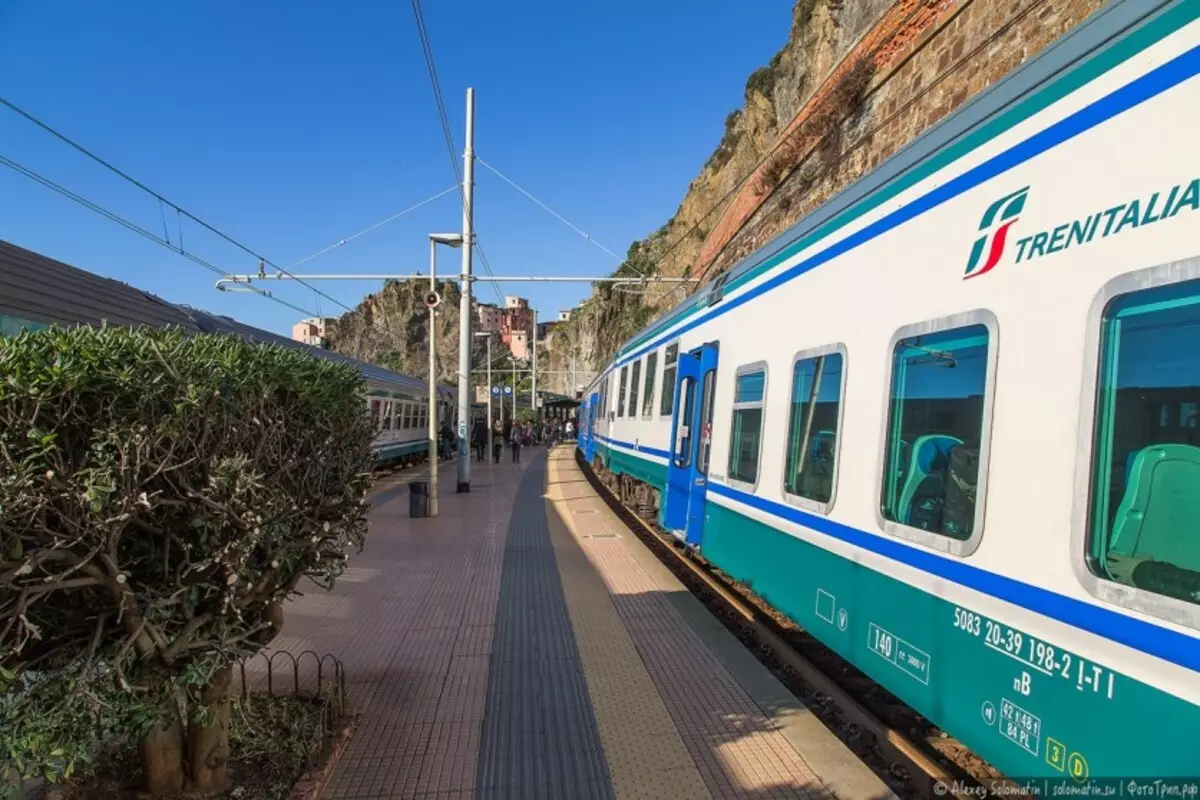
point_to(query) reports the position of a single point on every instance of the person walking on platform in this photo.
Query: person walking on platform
(515, 436)
(497, 440)
(479, 439)
(447, 442)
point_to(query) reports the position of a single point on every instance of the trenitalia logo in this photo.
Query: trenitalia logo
(1004, 214)
(1135, 213)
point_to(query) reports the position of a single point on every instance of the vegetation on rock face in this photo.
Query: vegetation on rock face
(391, 329)
(160, 496)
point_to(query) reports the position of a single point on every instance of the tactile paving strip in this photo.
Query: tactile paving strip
(646, 756)
(738, 750)
(539, 733)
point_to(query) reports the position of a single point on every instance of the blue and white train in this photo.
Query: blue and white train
(950, 421)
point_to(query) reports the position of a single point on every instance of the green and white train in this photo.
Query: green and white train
(37, 291)
(950, 422)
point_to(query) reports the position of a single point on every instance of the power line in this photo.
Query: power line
(367, 230)
(928, 87)
(773, 148)
(117, 218)
(447, 134)
(552, 212)
(178, 209)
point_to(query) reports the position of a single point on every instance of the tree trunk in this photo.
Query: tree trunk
(161, 754)
(208, 744)
(273, 615)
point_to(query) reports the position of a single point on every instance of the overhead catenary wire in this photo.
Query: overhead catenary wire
(180, 212)
(133, 226)
(741, 182)
(925, 89)
(158, 196)
(380, 224)
(447, 133)
(552, 212)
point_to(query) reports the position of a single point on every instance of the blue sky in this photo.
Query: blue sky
(289, 125)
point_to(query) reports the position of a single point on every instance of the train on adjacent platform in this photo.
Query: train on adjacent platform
(32, 296)
(949, 422)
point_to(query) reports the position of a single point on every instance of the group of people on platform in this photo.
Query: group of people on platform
(504, 432)
(518, 435)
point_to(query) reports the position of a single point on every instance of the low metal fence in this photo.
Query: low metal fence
(307, 675)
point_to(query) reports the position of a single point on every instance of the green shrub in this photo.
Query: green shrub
(160, 496)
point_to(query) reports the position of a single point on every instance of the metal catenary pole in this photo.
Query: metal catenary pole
(464, 309)
(433, 420)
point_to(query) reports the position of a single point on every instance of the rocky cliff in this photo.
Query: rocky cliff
(391, 329)
(855, 82)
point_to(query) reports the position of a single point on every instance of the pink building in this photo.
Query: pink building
(518, 343)
(310, 331)
(490, 317)
(518, 319)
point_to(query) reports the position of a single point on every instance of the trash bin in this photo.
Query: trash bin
(418, 499)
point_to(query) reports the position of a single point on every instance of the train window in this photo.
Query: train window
(810, 465)
(621, 392)
(387, 415)
(708, 398)
(651, 374)
(634, 378)
(939, 409)
(666, 406)
(745, 442)
(1145, 476)
(375, 409)
(683, 431)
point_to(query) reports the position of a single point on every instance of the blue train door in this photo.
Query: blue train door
(691, 441)
(593, 408)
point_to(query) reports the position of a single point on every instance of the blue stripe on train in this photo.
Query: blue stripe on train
(1153, 83)
(1163, 643)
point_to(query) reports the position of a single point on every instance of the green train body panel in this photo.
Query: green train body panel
(402, 449)
(648, 472)
(1029, 706)
(621, 463)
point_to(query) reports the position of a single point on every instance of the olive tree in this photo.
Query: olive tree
(160, 497)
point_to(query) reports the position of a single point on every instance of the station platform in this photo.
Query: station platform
(524, 644)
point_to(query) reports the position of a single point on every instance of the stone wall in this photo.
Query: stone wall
(856, 81)
(940, 56)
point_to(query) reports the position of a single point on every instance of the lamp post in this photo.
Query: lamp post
(431, 302)
(488, 335)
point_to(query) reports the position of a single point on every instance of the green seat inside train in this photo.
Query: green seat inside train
(940, 478)
(1159, 516)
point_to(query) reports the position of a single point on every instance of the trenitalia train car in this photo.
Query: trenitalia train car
(950, 422)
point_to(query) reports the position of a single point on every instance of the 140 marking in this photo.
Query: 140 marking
(1031, 651)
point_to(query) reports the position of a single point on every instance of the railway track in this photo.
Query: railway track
(908, 752)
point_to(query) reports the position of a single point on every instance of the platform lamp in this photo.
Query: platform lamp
(432, 301)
